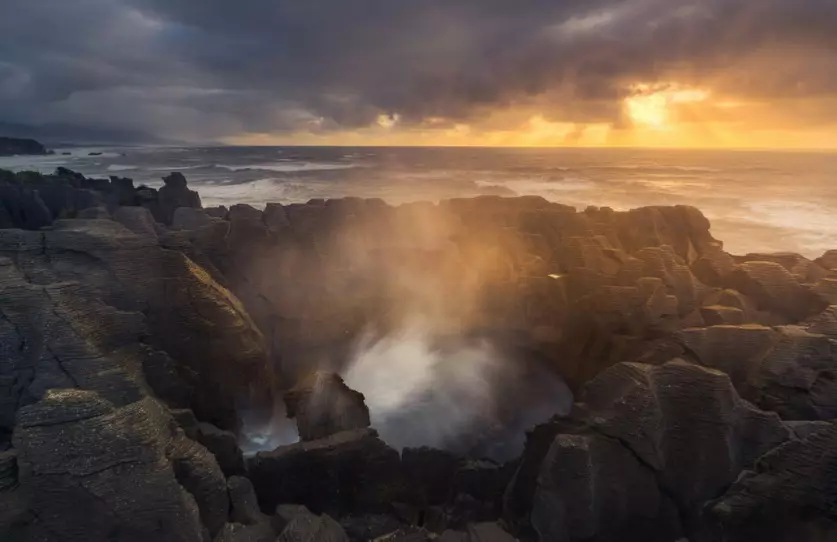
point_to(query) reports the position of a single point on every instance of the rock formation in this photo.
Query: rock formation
(137, 330)
(323, 405)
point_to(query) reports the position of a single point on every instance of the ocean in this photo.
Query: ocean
(757, 201)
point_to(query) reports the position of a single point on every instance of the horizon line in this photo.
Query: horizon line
(527, 147)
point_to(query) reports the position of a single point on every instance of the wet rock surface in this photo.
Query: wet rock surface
(138, 330)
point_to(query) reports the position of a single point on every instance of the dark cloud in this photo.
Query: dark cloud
(202, 69)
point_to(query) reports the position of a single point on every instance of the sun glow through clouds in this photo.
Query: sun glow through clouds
(652, 107)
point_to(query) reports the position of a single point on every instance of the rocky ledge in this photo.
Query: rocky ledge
(139, 330)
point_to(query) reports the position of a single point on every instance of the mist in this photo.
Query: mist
(412, 319)
(449, 394)
(422, 394)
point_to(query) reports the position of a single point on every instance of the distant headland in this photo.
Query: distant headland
(11, 146)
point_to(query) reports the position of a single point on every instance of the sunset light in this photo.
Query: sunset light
(652, 107)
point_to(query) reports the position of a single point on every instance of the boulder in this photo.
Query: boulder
(737, 351)
(713, 267)
(736, 300)
(774, 288)
(802, 269)
(593, 488)
(519, 495)
(352, 472)
(787, 496)
(788, 369)
(625, 470)
(824, 323)
(693, 460)
(323, 405)
(663, 263)
(798, 377)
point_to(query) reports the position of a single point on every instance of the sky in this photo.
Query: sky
(651, 73)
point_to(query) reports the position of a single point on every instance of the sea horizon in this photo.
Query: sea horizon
(757, 200)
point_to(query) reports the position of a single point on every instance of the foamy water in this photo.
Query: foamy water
(757, 201)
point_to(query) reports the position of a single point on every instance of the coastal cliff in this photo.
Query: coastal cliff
(138, 330)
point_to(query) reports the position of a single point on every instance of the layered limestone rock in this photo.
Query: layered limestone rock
(89, 469)
(174, 298)
(788, 496)
(627, 468)
(775, 289)
(99, 327)
(789, 369)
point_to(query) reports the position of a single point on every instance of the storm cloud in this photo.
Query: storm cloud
(207, 69)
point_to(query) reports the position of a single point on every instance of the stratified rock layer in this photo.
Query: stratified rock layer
(647, 449)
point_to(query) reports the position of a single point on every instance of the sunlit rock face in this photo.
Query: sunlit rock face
(522, 272)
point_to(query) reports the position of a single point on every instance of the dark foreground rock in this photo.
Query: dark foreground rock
(98, 338)
(789, 495)
(644, 453)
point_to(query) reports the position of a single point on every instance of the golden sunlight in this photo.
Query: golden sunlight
(651, 106)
